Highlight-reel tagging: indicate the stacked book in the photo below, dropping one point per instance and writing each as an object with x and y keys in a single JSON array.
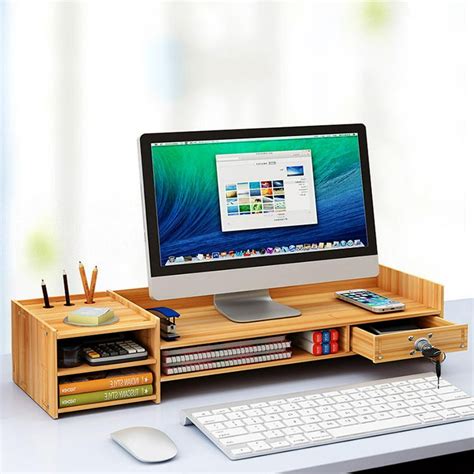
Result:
[
  {"x": 104, "y": 386},
  {"x": 225, "y": 354},
  {"x": 322, "y": 342}
]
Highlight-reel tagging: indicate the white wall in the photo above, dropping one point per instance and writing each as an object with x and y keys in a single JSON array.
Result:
[{"x": 81, "y": 85}]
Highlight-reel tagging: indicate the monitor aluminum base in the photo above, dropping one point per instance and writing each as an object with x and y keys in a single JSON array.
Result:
[{"x": 252, "y": 306}]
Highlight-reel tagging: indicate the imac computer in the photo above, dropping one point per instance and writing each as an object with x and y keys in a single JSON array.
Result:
[{"x": 232, "y": 213}]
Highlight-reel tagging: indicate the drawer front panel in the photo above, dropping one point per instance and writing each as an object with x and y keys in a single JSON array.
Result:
[{"x": 442, "y": 334}]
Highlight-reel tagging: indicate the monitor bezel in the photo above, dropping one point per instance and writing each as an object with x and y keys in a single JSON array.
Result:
[{"x": 151, "y": 215}]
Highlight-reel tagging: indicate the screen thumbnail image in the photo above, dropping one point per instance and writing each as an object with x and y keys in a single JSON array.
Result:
[
  {"x": 255, "y": 197},
  {"x": 295, "y": 170},
  {"x": 256, "y": 205}
]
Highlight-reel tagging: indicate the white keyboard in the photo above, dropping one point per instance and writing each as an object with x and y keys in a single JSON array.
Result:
[{"x": 301, "y": 420}]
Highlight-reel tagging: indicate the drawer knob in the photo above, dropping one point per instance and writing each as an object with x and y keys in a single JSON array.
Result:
[
  {"x": 412, "y": 352},
  {"x": 410, "y": 338}
]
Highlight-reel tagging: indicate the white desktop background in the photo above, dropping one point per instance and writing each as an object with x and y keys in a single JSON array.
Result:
[{"x": 81, "y": 80}]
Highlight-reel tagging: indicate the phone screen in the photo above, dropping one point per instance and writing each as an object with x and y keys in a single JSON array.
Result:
[{"x": 369, "y": 298}]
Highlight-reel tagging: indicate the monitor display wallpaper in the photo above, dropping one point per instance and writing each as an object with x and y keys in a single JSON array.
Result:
[{"x": 190, "y": 209}]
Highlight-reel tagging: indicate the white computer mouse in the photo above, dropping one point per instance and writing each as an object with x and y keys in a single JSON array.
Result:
[{"x": 145, "y": 443}]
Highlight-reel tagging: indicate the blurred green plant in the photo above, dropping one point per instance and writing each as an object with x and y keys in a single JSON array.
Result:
[
  {"x": 375, "y": 15},
  {"x": 41, "y": 249}
]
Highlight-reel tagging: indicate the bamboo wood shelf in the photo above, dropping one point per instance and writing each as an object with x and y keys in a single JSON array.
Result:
[
  {"x": 35, "y": 335},
  {"x": 36, "y": 330},
  {"x": 298, "y": 357},
  {"x": 86, "y": 368},
  {"x": 200, "y": 323}
]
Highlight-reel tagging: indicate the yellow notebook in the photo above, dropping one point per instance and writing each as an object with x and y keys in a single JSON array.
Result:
[{"x": 91, "y": 316}]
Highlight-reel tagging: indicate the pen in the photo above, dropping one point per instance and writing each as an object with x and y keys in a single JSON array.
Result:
[
  {"x": 93, "y": 282},
  {"x": 84, "y": 281},
  {"x": 45, "y": 295},
  {"x": 66, "y": 290}
]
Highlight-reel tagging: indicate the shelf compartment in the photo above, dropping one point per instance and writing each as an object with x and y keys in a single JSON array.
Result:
[
  {"x": 204, "y": 325},
  {"x": 399, "y": 345},
  {"x": 131, "y": 317},
  {"x": 299, "y": 356},
  {"x": 201, "y": 323},
  {"x": 90, "y": 406},
  {"x": 86, "y": 368}
]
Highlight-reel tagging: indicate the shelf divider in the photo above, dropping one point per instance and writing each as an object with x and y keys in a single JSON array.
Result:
[{"x": 86, "y": 368}]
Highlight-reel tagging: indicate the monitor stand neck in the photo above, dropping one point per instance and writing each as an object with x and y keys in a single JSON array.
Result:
[{"x": 251, "y": 306}]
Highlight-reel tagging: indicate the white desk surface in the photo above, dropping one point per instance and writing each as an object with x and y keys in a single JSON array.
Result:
[{"x": 32, "y": 441}]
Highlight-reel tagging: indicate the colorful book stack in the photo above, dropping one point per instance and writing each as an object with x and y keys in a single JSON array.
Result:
[
  {"x": 320, "y": 342},
  {"x": 104, "y": 386},
  {"x": 226, "y": 354}
]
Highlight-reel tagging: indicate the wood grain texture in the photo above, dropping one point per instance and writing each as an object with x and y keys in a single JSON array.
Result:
[
  {"x": 35, "y": 330},
  {"x": 86, "y": 368},
  {"x": 140, "y": 296},
  {"x": 445, "y": 335},
  {"x": 298, "y": 357},
  {"x": 412, "y": 287},
  {"x": 344, "y": 338},
  {"x": 363, "y": 343},
  {"x": 34, "y": 359},
  {"x": 150, "y": 339},
  {"x": 131, "y": 317},
  {"x": 200, "y": 323}
]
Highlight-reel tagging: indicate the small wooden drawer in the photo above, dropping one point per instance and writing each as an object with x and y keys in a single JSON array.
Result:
[{"x": 444, "y": 335}]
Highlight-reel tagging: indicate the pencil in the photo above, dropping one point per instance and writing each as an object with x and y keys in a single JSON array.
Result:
[
  {"x": 85, "y": 285},
  {"x": 45, "y": 295},
  {"x": 66, "y": 290},
  {"x": 93, "y": 282}
]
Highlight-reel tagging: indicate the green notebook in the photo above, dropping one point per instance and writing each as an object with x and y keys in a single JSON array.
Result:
[{"x": 105, "y": 396}]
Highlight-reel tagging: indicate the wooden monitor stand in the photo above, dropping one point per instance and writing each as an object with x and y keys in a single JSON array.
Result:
[{"x": 36, "y": 330}]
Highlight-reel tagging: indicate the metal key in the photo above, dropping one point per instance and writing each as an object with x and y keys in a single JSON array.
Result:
[
  {"x": 436, "y": 356},
  {"x": 439, "y": 359},
  {"x": 438, "y": 369}
]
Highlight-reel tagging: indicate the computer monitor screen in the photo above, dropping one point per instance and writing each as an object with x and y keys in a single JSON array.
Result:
[
  {"x": 258, "y": 198},
  {"x": 250, "y": 199}
]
